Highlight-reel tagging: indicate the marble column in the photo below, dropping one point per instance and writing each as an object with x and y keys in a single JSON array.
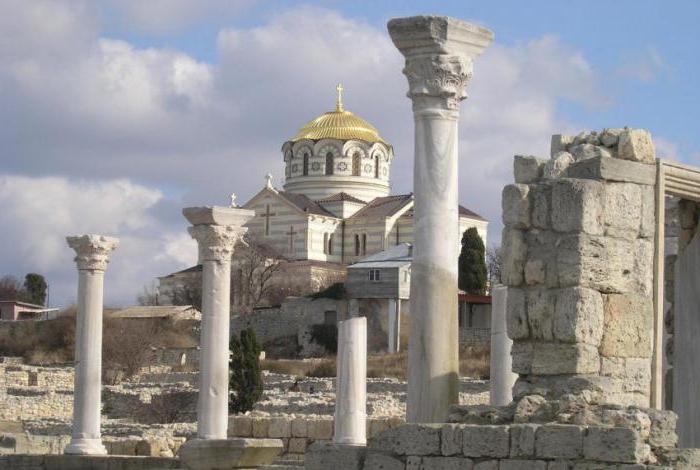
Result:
[
  {"x": 439, "y": 52},
  {"x": 394, "y": 325},
  {"x": 216, "y": 229},
  {"x": 502, "y": 376},
  {"x": 351, "y": 383},
  {"x": 92, "y": 256}
]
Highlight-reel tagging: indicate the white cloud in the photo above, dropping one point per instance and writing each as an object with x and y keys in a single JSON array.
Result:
[{"x": 646, "y": 66}]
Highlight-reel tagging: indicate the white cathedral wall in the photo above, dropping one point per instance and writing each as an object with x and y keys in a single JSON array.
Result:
[
  {"x": 320, "y": 230},
  {"x": 285, "y": 220}
]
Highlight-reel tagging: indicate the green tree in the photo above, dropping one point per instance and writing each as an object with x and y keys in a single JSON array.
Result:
[
  {"x": 245, "y": 381},
  {"x": 35, "y": 288},
  {"x": 472, "y": 264}
]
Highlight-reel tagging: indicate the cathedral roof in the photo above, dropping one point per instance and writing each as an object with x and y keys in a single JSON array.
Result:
[
  {"x": 340, "y": 197},
  {"x": 338, "y": 124},
  {"x": 305, "y": 204},
  {"x": 384, "y": 206}
]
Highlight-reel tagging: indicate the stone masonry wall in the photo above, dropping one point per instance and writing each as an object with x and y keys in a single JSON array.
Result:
[{"x": 578, "y": 261}]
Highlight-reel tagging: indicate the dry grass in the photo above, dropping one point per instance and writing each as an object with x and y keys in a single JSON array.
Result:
[
  {"x": 40, "y": 342},
  {"x": 473, "y": 363}
]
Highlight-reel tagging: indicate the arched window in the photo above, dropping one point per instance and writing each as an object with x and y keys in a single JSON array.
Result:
[
  {"x": 330, "y": 244},
  {"x": 357, "y": 245},
  {"x": 376, "y": 166},
  {"x": 356, "y": 163},
  {"x": 306, "y": 164},
  {"x": 364, "y": 243},
  {"x": 329, "y": 163}
]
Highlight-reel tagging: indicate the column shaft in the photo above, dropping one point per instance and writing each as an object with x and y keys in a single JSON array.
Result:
[
  {"x": 212, "y": 405},
  {"x": 502, "y": 376},
  {"x": 351, "y": 383}
]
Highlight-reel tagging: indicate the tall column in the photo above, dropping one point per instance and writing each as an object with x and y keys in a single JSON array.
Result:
[
  {"x": 439, "y": 53},
  {"x": 216, "y": 229},
  {"x": 502, "y": 376},
  {"x": 92, "y": 256},
  {"x": 351, "y": 383},
  {"x": 394, "y": 325}
]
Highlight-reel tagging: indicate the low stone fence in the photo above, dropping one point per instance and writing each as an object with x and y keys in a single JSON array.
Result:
[
  {"x": 298, "y": 433},
  {"x": 31, "y": 403},
  {"x": 474, "y": 336},
  {"x": 13, "y": 374}
]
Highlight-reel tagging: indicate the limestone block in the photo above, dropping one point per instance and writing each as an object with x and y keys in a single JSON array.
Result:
[
  {"x": 486, "y": 465},
  {"x": 627, "y": 326},
  {"x": 560, "y": 143},
  {"x": 540, "y": 202},
  {"x": 486, "y": 441},
  {"x": 326, "y": 455},
  {"x": 560, "y": 465},
  {"x": 636, "y": 145},
  {"x": 299, "y": 427},
  {"x": 610, "y": 265},
  {"x": 297, "y": 445},
  {"x": 261, "y": 427},
  {"x": 622, "y": 209},
  {"x": 662, "y": 432},
  {"x": 320, "y": 429},
  {"x": 451, "y": 439},
  {"x": 279, "y": 427},
  {"x": 206, "y": 454},
  {"x": 622, "y": 445},
  {"x": 558, "y": 358},
  {"x": 446, "y": 463},
  {"x": 522, "y": 440},
  {"x": 613, "y": 169},
  {"x": 516, "y": 314},
  {"x": 535, "y": 272},
  {"x": 577, "y": 206},
  {"x": 587, "y": 151},
  {"x": 240, "y": 426},
  {"x": 647, "y": 226},
  {"x": 377, "y": 426},
  {"x": 409, "y": 439},
  {"x": 610, "y": 137},
  {"x": 578, "y": 316},
  {"x": 559, "y": 441},
  {"x": 632, "y": 373},
  {"x": 556, "y": 167},
  {"x": 516, "y": 206},
  {"x": 523, "y": 465},
  {"x": 522, "y": 353},
  {"x": 527, "y": 169},
  {"x": 413, "y": 462},
  {"x": 376, "y": 461},
  {"x": 540, "y": 311},
  {"x": 514, "y": 252}
]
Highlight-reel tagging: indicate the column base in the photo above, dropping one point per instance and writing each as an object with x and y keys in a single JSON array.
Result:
[
  {"x": 83, "y": 446},
  {"x": 225, "y": 454}
]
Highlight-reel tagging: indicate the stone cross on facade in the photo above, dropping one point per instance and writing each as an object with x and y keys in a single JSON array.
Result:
[
  {"x": 292, "y": 233},
  {"x": 92, "y": 256},
  {"x": 439, "y": 52},
  {"x": 267, "y": 215}
]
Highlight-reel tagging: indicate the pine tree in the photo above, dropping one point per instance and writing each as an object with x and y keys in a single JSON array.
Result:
[
  {"x": 35, "y": 288},
  {"x": 472, "y": 264},
  {"x": 245, "y": 381}
]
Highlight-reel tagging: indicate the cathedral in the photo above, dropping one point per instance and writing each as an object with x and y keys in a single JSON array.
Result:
[{"x": 335, "y": 206}]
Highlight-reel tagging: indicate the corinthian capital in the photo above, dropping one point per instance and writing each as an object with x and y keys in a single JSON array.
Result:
[
  {"x": 92, "y": 251},
  {"x": 216, "y": 242},
  {"x": 439, "y": 53}
]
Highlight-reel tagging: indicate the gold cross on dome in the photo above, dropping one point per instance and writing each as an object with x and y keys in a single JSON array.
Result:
[{"x": 339, "y": 99}]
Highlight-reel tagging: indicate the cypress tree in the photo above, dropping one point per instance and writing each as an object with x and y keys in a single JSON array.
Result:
[
  {"x": 472, "y": 263},
  {"x": 35, "y": 288},
  {"x": 245, "y": 381}
]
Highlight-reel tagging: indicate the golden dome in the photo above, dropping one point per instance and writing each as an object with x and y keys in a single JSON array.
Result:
[{"x": 338, "y": 124}]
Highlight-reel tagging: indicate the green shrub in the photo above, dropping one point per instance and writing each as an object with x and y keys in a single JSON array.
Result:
[
  {"x": 325, "y": 335},
  {"x": 245, "y": 380}
]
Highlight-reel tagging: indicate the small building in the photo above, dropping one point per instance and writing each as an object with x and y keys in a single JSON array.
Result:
[
  {"x": 176, "y": 312},
  {"x": 14, "y": 310}
]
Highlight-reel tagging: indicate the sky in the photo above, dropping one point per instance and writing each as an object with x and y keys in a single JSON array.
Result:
[{"x": 115, "y": 114}]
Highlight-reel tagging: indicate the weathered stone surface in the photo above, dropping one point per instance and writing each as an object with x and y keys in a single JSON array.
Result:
[
  {"x": 540, "y": 202},
  {"x": 647, "y": 226},
  {"x": 409, "y": 439},
  {"x": 509, "y": 464},
  {"x": 84, "y": 462},
  {"x": 516, "y": 206},
  {"x": 319, "y": 429},
  {"x": 627, "y": 325},
  {"x": 527, "y": 169},
  {"x": 633, "y": 373},
  {"x": 326, "y": 455},
  {"x": 522, "y": 440},
  {"x": 662, "y": 432},
  {"x": 610, "y": 137},
  {"x": 446, "y": 463},
  {"x": 577, "y": 206},
  {"x": 559, "y": 143},
  {"x": 486, "y": 441},
  {"x": 223, "y": 454},
  {"x": 636, "y": 145},
  {"x": 535, "y": 272},
  {"x": 587, "y": 151},
  {"x": 532, "y": 408},
  {"x": 279, "y": 427},
  {"x": 377, "y": 461},
  {"x": 540, "y": 310},
  {"x": 299, "y": 427},
  {"x": 297, "y": 445},
  {"x": 240, "y": 426},
  {"x": 578, "y": 316},
  {"x": 622, "y": 209},
  {"x": 558, "y": 358},
  {"x": 514, "y": 256},
  {"x": 614, "y": 445},
  {"x": 261, "y": 427},
  {"x": 522, "y": 353},
  {"x": 486, "y": 465},
  {"x": 451, "y": 439},
  {"x": 556, "y": 167},
  {"x": 554, "y": 441},
  {"x": 516, "y": 314},
  {"x": 613, "y": 169}
]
